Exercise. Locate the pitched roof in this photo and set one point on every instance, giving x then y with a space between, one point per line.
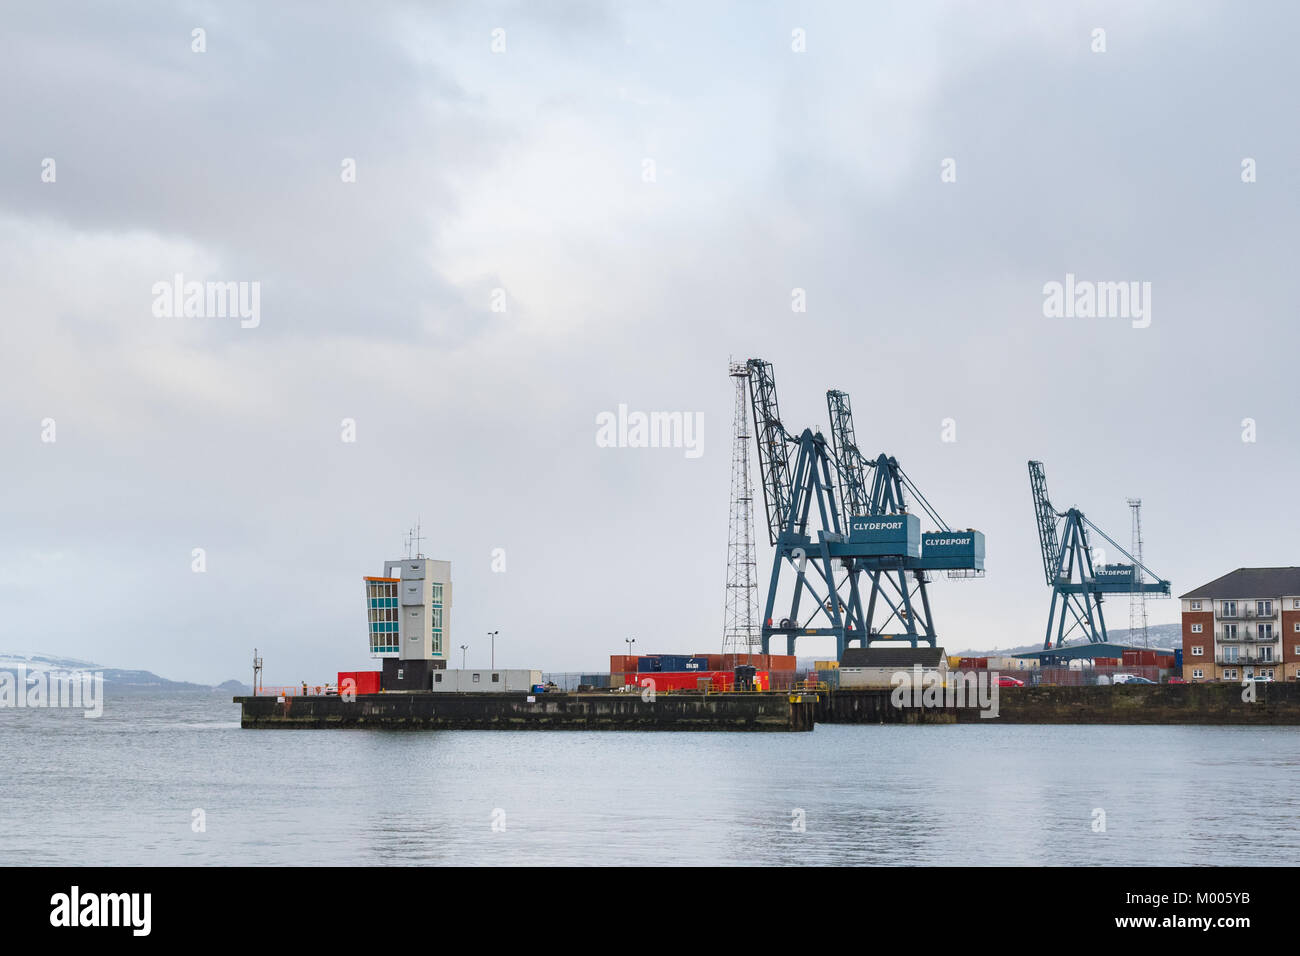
1250 583
891 656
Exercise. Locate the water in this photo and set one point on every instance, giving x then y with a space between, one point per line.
122 790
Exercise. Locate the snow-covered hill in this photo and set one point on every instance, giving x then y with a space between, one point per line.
115 678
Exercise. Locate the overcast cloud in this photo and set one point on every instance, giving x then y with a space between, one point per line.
523 171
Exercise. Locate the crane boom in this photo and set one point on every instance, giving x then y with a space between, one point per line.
1047 539
852 469
774 445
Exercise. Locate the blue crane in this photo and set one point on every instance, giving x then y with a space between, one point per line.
855 529
1078 587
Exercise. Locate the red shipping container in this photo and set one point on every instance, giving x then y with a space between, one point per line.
364 682
622 663
690 680
781 662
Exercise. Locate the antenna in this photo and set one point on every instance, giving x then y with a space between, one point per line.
257 672
419 553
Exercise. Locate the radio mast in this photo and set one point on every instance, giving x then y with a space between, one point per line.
739 633
1137 601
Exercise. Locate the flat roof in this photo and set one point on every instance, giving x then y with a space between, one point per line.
390 580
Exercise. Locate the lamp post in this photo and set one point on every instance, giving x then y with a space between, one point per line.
493 636
463 648
629 641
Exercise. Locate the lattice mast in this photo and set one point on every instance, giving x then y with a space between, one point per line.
740 632
1137 602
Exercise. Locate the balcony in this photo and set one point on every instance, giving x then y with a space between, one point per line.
1248 614
1249 637
1245 660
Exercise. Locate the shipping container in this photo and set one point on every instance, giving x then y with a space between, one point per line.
622 663
648 664
826 665
364 682
732 661
695 680
973 663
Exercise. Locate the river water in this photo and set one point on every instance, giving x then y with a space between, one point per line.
133 786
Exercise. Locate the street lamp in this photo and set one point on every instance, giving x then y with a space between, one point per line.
463 648
493 636
629 641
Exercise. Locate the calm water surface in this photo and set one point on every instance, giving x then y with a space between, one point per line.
122 790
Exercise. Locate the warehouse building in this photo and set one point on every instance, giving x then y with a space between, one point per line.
876 666
1242 625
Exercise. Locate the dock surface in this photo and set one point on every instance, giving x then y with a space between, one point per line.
417 710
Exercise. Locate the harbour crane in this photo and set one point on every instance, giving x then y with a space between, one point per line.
854 530
1079 587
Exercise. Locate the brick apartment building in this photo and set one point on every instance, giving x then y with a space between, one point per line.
1244 624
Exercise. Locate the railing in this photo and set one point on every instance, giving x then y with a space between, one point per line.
1247 636
810 686
296 690
1249 614
1244 659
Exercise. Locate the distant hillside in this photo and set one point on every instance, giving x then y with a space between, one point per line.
115 678
1168 636
1158 635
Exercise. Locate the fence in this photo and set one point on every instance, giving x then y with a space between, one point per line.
296 690
1081 676
777 680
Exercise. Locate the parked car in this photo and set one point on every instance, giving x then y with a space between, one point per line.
1260 679
1130 679
1005 681
1177 680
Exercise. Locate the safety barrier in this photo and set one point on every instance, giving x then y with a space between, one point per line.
297 690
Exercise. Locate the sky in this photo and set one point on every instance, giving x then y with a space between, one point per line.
561 208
